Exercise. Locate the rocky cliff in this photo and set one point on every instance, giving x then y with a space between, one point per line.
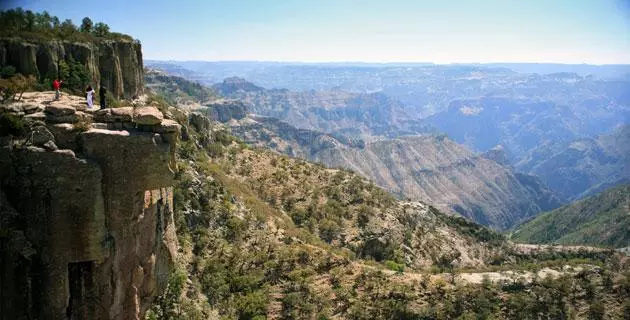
86 209
117 64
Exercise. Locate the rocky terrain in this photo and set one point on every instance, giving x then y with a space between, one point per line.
268 236
154 210
599 220
532 116
582 167
86 207
117 64
429 168
336 111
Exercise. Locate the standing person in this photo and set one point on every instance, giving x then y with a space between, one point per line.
57 87
102 91
90 96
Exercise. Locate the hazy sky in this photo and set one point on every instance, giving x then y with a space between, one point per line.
442 31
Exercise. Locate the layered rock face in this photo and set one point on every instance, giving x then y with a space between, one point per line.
86 214
116 64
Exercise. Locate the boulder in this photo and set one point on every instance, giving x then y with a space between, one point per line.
50 146
177 115
199 121
59 110
147 116
124 114
65 135
103 115
167 125
41 135
32 108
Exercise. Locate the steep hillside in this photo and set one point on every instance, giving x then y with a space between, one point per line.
582 167
266 236
601 220
431 168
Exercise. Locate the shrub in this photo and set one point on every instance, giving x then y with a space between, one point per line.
83 125
12 125
398 267
16 85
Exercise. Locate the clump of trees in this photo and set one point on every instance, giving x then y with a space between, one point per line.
34 25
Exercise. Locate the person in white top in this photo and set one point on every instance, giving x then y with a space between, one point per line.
90 96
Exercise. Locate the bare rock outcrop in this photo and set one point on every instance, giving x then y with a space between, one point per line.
89 222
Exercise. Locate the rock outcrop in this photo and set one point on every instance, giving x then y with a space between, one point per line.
116 64
86 229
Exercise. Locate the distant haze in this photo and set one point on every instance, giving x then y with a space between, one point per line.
559 31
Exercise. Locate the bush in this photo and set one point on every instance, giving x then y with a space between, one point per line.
12 125
83 125
329 230
16 85
391 265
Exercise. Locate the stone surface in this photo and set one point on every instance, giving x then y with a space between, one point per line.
147 116
199 121
167 125
39 116
40 135
50 146
124 114
59 110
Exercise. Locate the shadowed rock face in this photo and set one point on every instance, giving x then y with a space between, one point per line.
88 232
116 64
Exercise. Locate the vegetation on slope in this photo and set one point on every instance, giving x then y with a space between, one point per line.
601 220
266 236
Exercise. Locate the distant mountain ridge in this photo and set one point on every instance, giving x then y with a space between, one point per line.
582 167
334 111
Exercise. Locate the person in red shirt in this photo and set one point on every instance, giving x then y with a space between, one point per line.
57 86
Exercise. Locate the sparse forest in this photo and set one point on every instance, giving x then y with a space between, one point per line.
27 24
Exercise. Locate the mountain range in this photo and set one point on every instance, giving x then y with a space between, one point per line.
521 123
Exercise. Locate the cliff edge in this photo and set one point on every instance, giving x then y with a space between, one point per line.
86 209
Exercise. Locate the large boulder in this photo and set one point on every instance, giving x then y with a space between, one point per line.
147 116
124 114
167 125
40 135
199 121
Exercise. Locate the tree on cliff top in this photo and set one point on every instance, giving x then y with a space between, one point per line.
86 25
27 24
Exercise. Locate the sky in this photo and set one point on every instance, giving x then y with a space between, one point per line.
444 31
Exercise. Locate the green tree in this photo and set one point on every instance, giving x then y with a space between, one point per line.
86 25
101 29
